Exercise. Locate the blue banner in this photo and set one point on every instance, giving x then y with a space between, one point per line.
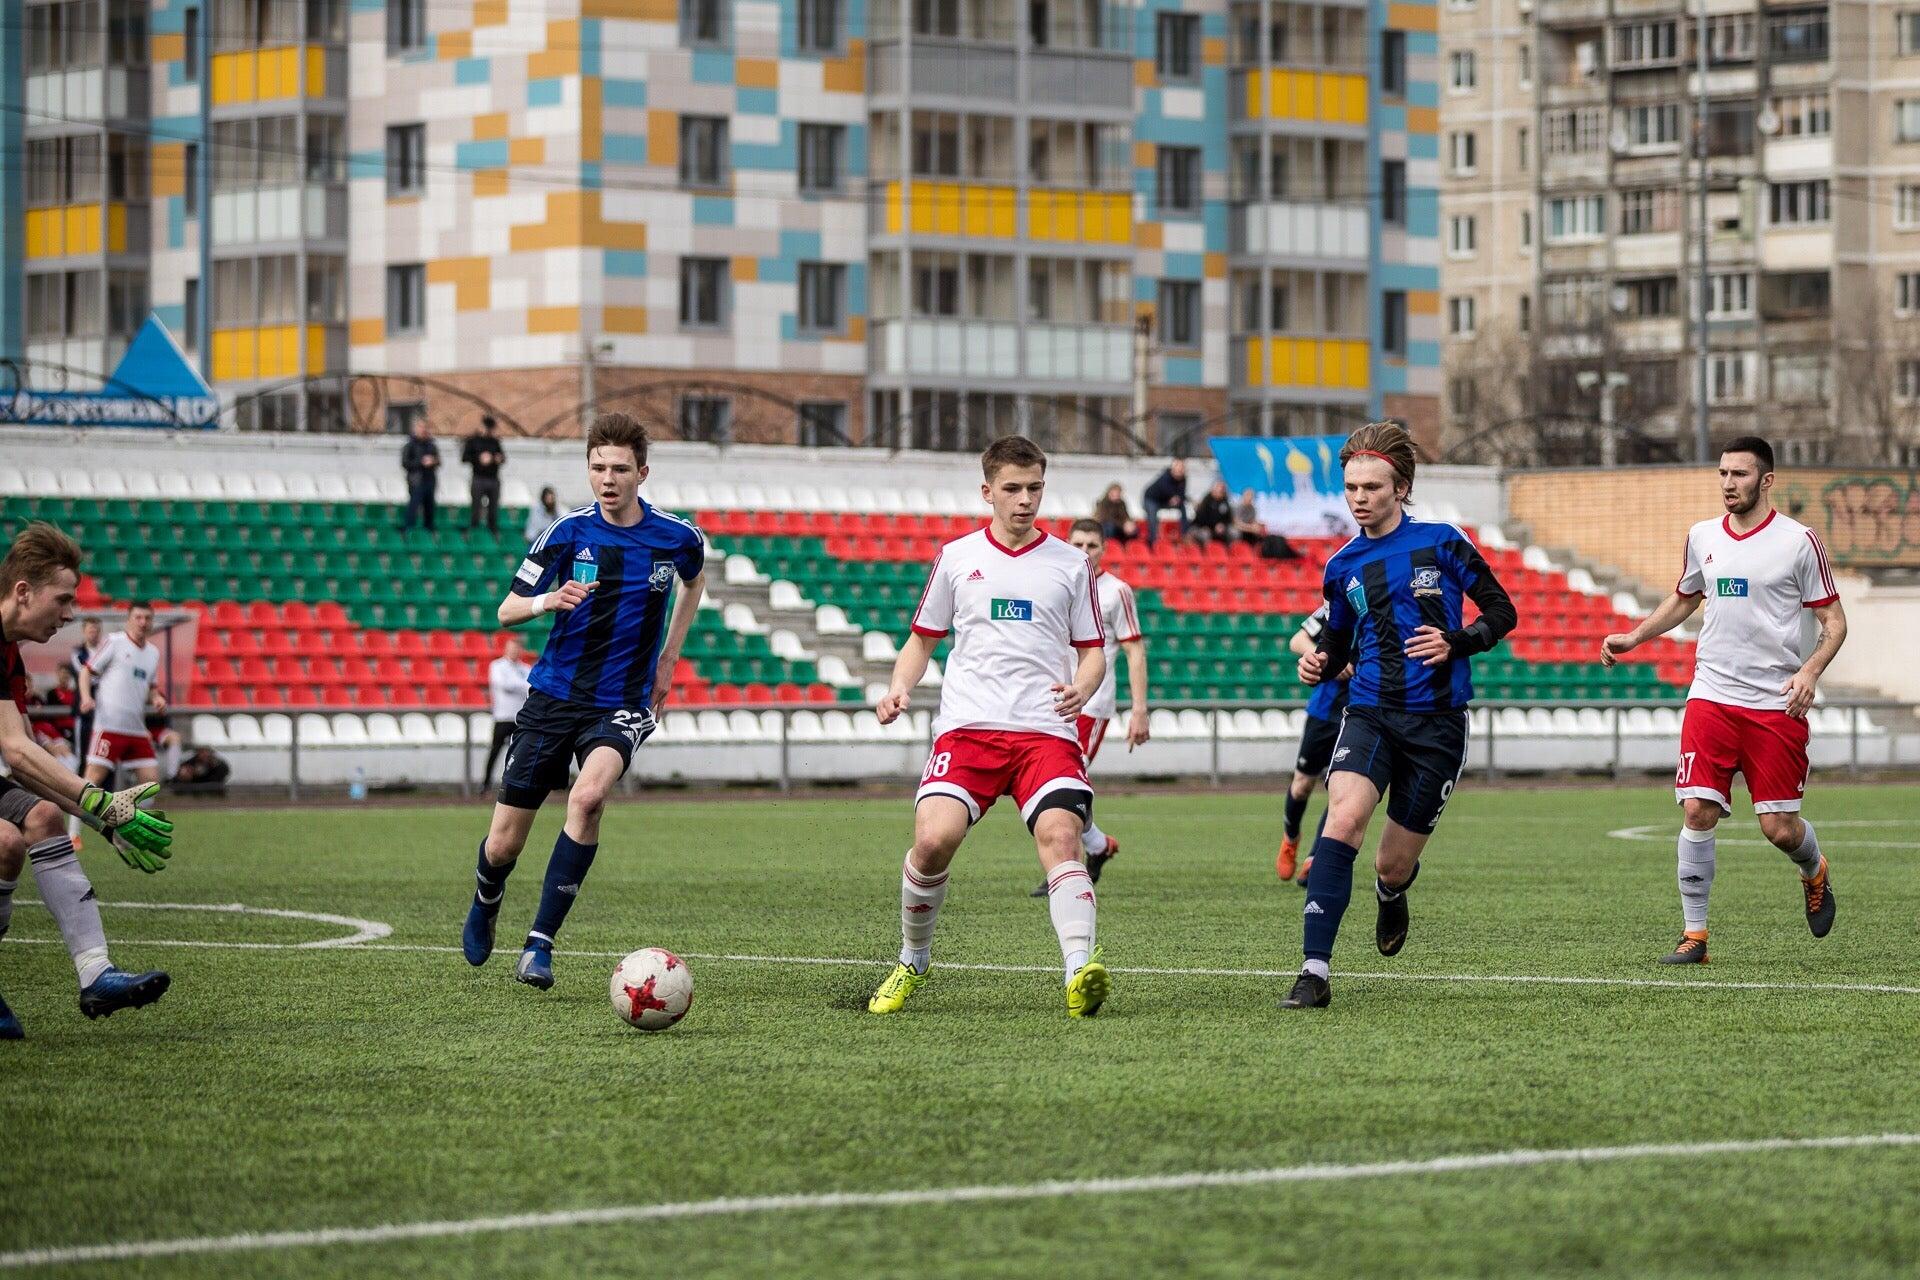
1297 482
152 386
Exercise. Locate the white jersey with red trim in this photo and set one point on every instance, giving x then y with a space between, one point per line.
1016 617
123 676
1756 585
1120 619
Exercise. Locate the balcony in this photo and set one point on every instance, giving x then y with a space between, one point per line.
280 213
1293 229
87 93
1080 78
83 230
1322 97
249 354
1339 364
994 212
945 68
247 76
1002 349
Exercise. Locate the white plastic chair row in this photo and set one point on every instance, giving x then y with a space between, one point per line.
381 729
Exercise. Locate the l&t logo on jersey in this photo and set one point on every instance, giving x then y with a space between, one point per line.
1013 611
1732 587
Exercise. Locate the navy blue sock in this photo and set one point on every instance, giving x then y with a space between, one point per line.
492 881
1296 810
566 872
1329 887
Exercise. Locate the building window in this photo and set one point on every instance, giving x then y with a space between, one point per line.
1906 380
1804 115
703 23
1180 313
1574 303
1801 378
406 160
703 293
1463 158
1729 377
821 146
1651 298
1462 73
1177 48
1651 126
1649 211
1393 63
1797 35
1906 293
406 299
819 29
706 418
1393 192
936 290
1800 203
1460 317
401 417
703 151
1523 148
1906 120
822 423
1575 132
406 25
1460 396
1525 53
1393 323
1576 218
1462 235
1730 296
1645 44
823 287
190 328
190 195
1179 175
1906 207
1908 27
1730 38
190 54
1526 313
1526 231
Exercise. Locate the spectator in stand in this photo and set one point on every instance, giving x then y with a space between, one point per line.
420 459
1246 519
507 688
52 721
1115 520
88 646
485 455
1213 517
1168 492
542 514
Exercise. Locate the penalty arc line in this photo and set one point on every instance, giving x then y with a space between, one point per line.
851 962
1004 1193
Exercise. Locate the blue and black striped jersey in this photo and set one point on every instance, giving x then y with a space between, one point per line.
603 653
1381 590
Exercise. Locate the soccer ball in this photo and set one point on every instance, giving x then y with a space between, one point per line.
651 989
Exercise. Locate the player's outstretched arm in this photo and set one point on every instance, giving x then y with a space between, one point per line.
1805 682
142 837
1673 611
908 669
684 609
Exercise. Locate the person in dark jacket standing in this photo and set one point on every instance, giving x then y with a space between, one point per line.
484 453
1168 492
421 461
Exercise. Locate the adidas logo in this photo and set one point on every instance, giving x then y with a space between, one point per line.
571 890
1313 908
976 576
586 553
1708 560
1352 583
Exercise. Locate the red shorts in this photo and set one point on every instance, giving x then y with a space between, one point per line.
978 766
113 749
1768 748
1092 731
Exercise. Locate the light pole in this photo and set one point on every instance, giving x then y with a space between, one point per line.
1608 383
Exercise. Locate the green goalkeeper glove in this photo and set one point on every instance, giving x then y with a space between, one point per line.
143 837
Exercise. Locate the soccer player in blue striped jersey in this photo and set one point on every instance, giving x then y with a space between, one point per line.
1394 599
608 572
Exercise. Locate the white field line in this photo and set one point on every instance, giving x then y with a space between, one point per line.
1657 833
737 1206
853 962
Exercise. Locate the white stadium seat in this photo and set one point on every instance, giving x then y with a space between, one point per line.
833 670
1666 722
693 496
1163 724
481 724
806 727
449 729
1274 724
935 677
779 498
713 726
1565 722
110 484
1595 723
12 480
269 485
276 730
861 500
174 485
384 731
418 729
740 618
784 595
1195 724
1244 723
302 487
349 731
831 620
878 646
806 498
838 726
744 726
1511 722
1477 721
741 572
518 493
1639 722
206 484
750 497
365 489
331 488
244 731
679 726
785 644
239 486
209 731
917 500
722 497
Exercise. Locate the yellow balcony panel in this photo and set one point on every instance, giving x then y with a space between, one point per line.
317 349
1256 365
235 354
116 228
316 58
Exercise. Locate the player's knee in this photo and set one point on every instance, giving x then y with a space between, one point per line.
1702 815
1302 785
44 822
1783 829
588 801
13 851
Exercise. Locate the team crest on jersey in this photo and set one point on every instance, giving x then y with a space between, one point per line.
662 576
584 567
1356 595
1012 611
1732 587
1426 582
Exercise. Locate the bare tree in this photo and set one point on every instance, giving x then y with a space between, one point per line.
1877 380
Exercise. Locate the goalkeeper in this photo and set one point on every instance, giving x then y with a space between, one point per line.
39 579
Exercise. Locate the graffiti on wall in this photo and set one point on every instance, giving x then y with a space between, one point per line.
1865 519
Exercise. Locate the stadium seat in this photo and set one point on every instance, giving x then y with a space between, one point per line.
384 731
349 731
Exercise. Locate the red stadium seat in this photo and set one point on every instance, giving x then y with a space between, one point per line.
268 695
692 695
328 613
228 614
338 695
262 614
295 613
232 696
410 644
477 644
279 644
727 694
786 691
303 695
821 693
391 671
757 692
255 671
473 697
442 644
218 671
377 644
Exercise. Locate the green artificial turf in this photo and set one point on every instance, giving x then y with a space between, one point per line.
280 1089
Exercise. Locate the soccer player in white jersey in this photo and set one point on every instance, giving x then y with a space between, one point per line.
117 686
1756 570
1019 604
1120 619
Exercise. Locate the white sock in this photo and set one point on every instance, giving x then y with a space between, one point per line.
1318 968
68 893
1071 903
1696 875
6 904
920 899
170 759
1807 856
1093 839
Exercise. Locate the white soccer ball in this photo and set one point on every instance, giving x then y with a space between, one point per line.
651 989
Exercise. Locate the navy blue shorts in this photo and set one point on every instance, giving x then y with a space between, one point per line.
1316 745
1413 760
551 733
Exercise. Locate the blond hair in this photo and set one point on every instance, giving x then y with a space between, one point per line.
1389 442
38 554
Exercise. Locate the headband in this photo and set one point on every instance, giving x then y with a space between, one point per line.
1371 453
